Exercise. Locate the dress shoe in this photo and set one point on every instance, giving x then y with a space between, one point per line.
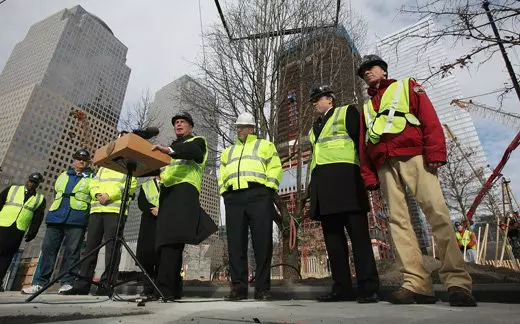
460 297
403 296
236 294
336 297
263 295
370 299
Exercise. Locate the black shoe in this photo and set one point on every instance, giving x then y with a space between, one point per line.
460 297
263 295
368 299
75 291
1 287
236 294
101 291
403 296
336 297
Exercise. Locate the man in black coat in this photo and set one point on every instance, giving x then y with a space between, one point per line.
180 219
338 197
20 215
148 203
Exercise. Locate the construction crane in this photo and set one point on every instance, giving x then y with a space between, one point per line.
505 118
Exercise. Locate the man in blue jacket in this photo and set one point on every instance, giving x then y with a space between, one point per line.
66 223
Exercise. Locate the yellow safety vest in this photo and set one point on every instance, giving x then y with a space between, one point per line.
15 210
185 171
465 239
256 160
151 192
394 112
80 195
113 183
334 144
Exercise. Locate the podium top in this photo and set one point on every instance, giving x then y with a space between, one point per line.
130 148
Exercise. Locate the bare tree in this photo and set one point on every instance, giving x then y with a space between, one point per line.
468 22
258 75
138 115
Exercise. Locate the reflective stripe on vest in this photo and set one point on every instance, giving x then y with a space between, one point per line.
81 198
116 179
394 112
151 192
15 210
334 144
466 240
247 164
185 171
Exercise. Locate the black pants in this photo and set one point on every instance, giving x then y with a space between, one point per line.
336 243
10 240
250 209
100 226
169 279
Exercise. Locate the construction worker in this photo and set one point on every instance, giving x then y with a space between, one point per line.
402 145
250 173
21 213
66 223
179 207
467 242
106 190
148 202
338 197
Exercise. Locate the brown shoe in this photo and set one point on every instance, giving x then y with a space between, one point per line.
236 295
403 296
460 297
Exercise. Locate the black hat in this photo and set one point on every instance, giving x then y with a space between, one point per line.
36 177
457 224
183 115
320 91
81 154
369 61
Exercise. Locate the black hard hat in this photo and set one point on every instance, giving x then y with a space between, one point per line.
369 61
36 177
457 224
320 91
81 154
183 115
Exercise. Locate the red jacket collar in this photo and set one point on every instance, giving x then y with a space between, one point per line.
382 86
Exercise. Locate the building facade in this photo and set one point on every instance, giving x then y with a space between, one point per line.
61 89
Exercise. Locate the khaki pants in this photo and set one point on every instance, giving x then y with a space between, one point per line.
395 175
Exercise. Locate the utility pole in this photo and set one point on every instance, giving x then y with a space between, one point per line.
512 75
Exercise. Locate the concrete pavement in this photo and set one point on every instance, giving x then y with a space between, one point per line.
52 308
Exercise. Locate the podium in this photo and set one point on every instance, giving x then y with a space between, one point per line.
133 156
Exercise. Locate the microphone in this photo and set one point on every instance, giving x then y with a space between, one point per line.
147 132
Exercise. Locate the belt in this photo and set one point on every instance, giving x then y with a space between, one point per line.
249 186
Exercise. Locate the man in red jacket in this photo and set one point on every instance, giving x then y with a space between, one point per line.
401 147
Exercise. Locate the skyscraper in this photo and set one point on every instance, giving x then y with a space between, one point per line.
409 54
61 89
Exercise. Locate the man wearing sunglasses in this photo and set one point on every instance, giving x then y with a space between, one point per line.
66 223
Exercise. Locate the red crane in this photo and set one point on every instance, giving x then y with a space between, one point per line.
497 171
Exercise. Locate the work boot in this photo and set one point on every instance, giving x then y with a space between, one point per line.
403 296
460 297
263 295
236 295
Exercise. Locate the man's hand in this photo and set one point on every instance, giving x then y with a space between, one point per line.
154 211
103 199
433 166
373 187
160 148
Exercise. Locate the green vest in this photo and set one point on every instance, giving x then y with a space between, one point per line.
184 171
394 112
334 144
151 192
15 210
465 239
249 162
80 195
107 180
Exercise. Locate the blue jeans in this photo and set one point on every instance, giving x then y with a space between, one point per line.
56 234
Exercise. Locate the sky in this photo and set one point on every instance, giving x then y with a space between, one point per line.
164 39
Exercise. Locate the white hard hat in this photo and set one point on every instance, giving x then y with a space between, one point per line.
245 119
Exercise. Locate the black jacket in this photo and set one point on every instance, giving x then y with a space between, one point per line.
338 187
146 241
